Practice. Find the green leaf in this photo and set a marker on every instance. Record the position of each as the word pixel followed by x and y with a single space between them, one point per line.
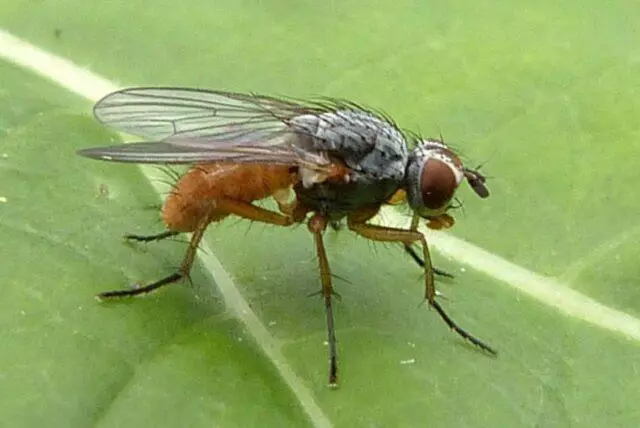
pixel 545 93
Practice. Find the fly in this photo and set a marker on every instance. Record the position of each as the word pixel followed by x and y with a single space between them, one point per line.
pixel 324 162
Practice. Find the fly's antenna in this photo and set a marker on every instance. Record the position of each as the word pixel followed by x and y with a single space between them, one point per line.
pixel 476 179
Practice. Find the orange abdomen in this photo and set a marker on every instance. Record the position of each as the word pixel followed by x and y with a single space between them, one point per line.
pixel 194 196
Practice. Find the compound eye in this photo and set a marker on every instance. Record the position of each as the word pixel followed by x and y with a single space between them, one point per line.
pixel 437 184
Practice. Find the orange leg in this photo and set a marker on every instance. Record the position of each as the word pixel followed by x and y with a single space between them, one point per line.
pixel 357 222
pixel 317 225
pixel 239 208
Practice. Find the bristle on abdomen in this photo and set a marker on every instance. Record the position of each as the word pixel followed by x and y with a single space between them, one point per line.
pixel 194 196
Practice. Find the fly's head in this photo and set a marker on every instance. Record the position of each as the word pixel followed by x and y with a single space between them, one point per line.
pixel 434 173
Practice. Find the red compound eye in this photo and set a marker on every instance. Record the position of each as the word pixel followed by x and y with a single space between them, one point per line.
pixel 437 184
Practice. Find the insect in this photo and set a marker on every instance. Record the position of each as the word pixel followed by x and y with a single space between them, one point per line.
pixel 322 161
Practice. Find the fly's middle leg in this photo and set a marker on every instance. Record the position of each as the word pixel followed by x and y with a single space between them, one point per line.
pixel 357 222
pixel 317 225
pixel 225 206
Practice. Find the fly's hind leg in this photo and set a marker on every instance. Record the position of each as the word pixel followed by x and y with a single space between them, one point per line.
pixel 149 238
pixel 226 206
pixel 317 225
pixel 183 271
pixel 357 222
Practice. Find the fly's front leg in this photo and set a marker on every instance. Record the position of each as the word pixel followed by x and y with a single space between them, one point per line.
pixel 226 206
pixel 416 258
pixel 357 222
pixel 414 255
pixel 401 197
pixel 317 225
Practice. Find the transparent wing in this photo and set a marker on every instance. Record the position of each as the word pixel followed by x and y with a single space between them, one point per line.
pixel 167 153
pixel 194 125
pixel 160 113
